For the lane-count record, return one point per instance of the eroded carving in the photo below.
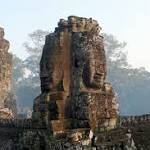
(73, 73)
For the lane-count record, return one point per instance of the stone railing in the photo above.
(125, 121)
(20, 123)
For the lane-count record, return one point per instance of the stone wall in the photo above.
(128, 121)
(6, 96)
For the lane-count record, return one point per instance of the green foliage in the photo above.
(35, 45)
(34, 49)
(17, 69)
(115, 51)
(132, 85)
(26, 72)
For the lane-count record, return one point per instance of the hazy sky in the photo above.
(127, 20)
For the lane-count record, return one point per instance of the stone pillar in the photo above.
(73, 73)
(6, 96)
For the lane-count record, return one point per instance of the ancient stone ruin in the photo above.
(73, 72)
(6, 96)
(77, 109)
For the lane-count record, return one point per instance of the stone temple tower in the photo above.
(74, 93)
(5, 77)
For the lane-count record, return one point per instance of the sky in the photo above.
(127, 20)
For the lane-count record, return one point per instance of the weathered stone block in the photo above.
(7, 100)
(73, 73)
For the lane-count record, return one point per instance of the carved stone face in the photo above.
(93, 74)
(1, 33)
(97, 75)
(73, 20)
(81, 25)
